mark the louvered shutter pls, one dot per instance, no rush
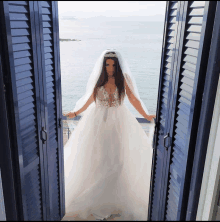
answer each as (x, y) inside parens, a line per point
(172, 29)
(31, 54)
(19, 54)
(51, 82)
(186, 105)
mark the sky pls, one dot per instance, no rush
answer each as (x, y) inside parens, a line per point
(142, 10)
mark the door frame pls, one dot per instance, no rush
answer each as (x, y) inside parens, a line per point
(6, 158)
(205, 121)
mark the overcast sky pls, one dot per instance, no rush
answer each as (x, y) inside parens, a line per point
(155, 10)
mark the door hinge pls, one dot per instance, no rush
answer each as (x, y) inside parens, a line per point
(43, 135)
(60, 122)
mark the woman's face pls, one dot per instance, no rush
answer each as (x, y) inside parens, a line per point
(110, 67)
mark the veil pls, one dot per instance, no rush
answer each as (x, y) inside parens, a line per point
(94, 76)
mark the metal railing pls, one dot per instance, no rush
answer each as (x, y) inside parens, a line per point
(77, 118)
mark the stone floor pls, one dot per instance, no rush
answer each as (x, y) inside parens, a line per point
(114, 217)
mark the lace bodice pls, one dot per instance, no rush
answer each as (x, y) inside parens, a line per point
(104, 99)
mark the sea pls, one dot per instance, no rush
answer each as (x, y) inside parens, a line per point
(140, 42)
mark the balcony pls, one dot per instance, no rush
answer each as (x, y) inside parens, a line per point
(69, 124)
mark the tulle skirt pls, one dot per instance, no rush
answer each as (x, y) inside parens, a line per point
(107, 165)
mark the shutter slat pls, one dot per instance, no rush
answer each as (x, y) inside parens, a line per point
(28, 133)
(173, 12)
(192, 44)
(46, 18)
(20, 9)
(187, 81)
(47, 37)
(17, 2)
(188, 74)
(28, 112)
(186, 95)
(19, 47)
(194, 28)
(21, 54)
(189, 66)
(183, 115)
(193, 36)
(196, 12)
(184, 108)
(186, 88)
(195, 20)
(18, 16)
(46, 11)
(23, 68)
(48, 62)
(17, 40)
(22, 61)
(45, 4)
(196, 4)
(25, 108)
(190, 59)
(46, 24)
(19, 24)
(24, 102)
(19, 32)
(192, 52)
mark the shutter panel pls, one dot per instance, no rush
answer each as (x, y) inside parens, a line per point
(169, 55)
(32, 56)
(51, 80)
(186, 105)
(19, 57)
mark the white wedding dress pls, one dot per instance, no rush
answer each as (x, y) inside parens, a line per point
(108, 162)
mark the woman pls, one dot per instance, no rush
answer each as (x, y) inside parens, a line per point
(108, 156)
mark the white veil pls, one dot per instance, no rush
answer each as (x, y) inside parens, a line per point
(97, 72)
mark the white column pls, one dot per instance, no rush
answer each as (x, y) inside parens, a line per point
(212, 166)
(2, 205)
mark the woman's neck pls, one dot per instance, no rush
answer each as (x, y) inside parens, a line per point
(111, 79)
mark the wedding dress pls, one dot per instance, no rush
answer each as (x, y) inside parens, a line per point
(107, 162)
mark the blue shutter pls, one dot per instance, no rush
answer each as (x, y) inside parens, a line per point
(171, 171)
(184, 115)
(172, 29)
(31, 55)
(22, 73)
(51, 84)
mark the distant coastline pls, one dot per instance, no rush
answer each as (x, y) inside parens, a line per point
(70, 40)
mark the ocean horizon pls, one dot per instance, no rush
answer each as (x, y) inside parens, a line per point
(140, 42)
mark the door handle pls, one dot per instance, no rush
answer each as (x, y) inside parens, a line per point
(164, 141)
(42, 137)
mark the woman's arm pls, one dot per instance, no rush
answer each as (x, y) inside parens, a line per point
(136, 103)
(90, 100)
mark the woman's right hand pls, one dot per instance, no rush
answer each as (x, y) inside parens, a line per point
(70, 114)
(151, 117)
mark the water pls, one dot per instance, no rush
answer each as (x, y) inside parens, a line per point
(139, 42)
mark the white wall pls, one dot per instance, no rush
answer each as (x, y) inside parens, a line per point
(212, 166)
(2, 206)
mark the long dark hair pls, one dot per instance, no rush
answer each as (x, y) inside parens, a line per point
(119, 78)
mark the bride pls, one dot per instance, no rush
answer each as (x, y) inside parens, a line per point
(107, 160)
